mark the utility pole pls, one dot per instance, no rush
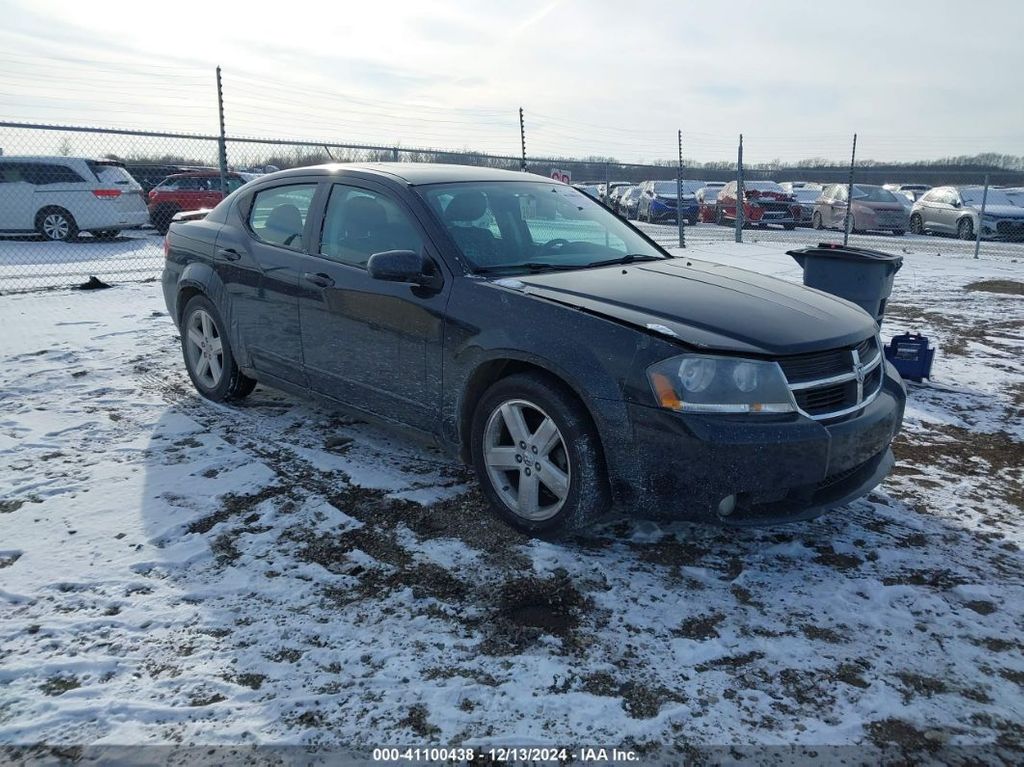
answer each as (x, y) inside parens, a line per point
(679, 194)
(739, 191)
(522, 138)
(981, 218)
(848, 220)
(222, 144)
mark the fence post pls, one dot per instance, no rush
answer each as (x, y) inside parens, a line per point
(981, 218)
(607, 180)
(679, 194)
(739, 191)
(522, 140)
(222, 144)
(848, 219)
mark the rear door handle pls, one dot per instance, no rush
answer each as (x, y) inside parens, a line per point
(319, 279)
(229, 254)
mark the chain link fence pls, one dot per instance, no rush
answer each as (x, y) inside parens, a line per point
(80, 202)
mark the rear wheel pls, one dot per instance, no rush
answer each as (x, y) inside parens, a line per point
(916, 224)
(207, 351)
(719, 215)
(965, 229)
(538, 456)
(56, 225)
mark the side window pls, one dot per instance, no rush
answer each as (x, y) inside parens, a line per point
(46, 173)
(359, 223)
(10, 173)
(278, 215)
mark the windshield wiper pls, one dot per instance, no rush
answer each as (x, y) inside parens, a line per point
(529, 266)
(627, 259)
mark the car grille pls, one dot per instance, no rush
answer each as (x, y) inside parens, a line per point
(835, 383)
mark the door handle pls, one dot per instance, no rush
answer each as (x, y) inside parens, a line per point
(319, 279)
(229, 254)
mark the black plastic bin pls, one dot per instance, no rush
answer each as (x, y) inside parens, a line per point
(857, 274)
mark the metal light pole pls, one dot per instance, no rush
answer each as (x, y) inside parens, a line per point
(679, 194)
(847, 221)
(981, 218)
(739, 191)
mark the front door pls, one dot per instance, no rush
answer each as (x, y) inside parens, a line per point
(372, 344)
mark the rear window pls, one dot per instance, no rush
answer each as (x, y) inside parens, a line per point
(114, 175)
(873, 194)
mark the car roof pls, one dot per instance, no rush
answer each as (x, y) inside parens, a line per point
(55, 159)
(416, 173)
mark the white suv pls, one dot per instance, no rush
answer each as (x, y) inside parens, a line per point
(58, 197)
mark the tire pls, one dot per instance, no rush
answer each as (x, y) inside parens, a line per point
(965, 229)
(816, 221)
(719, 216)
(571, 457)
(106, 234)
(201, 317)
(161, 219)
(56, 225)
(916, 224)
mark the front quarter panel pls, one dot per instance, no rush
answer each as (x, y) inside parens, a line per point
(601, 360)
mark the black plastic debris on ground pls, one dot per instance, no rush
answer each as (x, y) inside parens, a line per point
(93, 284)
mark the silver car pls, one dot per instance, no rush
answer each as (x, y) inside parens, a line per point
(957, 210)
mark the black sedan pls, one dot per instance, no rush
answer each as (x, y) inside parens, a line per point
(524, 327)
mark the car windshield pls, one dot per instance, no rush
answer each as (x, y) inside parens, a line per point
(113, 174)
(873, 194)
(807, 195)
(521, 226)
(666, 188)
(995, 197)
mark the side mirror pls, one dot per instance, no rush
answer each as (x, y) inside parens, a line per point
(406, 266)
(957, 204)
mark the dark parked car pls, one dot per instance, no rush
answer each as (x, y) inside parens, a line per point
(628, 202)
(575, 363)
(149, 175)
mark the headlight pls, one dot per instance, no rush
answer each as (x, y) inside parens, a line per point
(704, 384)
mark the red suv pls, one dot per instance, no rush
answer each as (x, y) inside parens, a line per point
(187, 191)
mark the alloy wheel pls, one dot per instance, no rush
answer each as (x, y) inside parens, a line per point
(56, 226)
(527, 460)
(205, 348)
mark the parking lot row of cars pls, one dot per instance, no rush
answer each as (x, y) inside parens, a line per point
(59, 198)
(895, 208)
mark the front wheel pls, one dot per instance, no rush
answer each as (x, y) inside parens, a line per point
(538, 456)
(207, 352)
(965, 229)
(816, 221)
(916, 224)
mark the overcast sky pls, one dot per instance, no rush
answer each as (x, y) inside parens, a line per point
(914, 79)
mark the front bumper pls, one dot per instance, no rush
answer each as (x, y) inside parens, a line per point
(780, 469)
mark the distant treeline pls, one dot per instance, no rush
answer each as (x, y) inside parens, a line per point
(1002, 169)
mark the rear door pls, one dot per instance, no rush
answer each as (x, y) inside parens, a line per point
(370, 343)
(259, 263)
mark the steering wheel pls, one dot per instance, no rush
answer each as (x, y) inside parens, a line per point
(554, 245)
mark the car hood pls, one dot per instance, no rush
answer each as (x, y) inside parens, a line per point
(1010, 211)
(709, 306)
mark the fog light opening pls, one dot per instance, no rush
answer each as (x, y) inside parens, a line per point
(727, 506)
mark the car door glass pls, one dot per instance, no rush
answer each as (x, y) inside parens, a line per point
(359, 223)
(278, 215)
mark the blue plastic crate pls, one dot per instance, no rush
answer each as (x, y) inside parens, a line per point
(911, 356)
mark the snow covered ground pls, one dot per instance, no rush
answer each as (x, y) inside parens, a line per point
(176, 571)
